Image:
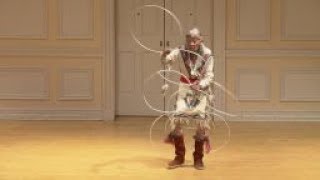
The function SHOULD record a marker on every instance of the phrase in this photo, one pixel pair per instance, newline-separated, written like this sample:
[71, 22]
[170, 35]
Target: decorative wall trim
[64, 35]
[297, 37]
[109, 85]
[314, 75]
[259, 37]
[44, 34]
[52, 115]
[274, 115]
[273, 53]
[74, 96]
[219, 41]
[43, 73]
[53, 52]
[264, 96]
[107, 115]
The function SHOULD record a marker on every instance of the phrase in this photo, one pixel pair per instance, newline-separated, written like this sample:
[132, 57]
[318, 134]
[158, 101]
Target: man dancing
[196, 64]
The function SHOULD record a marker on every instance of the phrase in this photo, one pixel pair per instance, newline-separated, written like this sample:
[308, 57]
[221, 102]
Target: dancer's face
[193, 43]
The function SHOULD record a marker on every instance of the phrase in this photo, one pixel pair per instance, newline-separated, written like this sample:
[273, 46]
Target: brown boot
[180, 151]
[169, 139]
[198, 153]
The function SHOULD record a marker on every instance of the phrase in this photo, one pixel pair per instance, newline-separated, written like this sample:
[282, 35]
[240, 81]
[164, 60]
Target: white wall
[54, 59]
[273, 58]
[57, 58]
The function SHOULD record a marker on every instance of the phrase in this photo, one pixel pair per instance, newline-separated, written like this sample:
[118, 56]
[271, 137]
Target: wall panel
[20, 19]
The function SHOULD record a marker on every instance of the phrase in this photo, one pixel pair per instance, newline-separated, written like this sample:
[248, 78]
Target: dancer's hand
[195, 86]
[164, 55]
[164, 88]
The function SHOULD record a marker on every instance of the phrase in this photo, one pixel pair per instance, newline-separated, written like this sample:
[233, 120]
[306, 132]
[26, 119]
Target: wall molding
[289, 115]
[273, 115]
[43, 72]
[273, 53]
[109, 61]
[52, 52]
[219, 41]
[285, 74]
[52, 115]
[63, 35]
[44, 34]
[254, 72]
[62, 96]
[260, 37]
[293, 37]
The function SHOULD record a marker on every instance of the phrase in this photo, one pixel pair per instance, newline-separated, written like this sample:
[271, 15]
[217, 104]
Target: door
[155, 29]
[135, 64]
[191, 13]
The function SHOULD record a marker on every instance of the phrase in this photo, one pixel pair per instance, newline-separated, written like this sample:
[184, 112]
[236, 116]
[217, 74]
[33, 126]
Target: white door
[191, 13]
[157, 30]
[134, 64]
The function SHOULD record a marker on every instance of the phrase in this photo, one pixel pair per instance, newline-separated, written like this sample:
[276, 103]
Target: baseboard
[109, 115]
[56, 115]
[276, 116]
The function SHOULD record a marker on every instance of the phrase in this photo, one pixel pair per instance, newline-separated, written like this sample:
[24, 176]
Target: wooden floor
[41, 150]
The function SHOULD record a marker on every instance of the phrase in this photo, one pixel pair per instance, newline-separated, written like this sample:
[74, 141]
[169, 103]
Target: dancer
[196, 63]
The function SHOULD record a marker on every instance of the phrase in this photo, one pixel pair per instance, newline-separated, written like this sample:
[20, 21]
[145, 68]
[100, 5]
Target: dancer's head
[193, 39]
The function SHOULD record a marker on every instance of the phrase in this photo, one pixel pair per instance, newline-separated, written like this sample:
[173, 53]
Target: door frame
[109, 61]
[219, 44]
